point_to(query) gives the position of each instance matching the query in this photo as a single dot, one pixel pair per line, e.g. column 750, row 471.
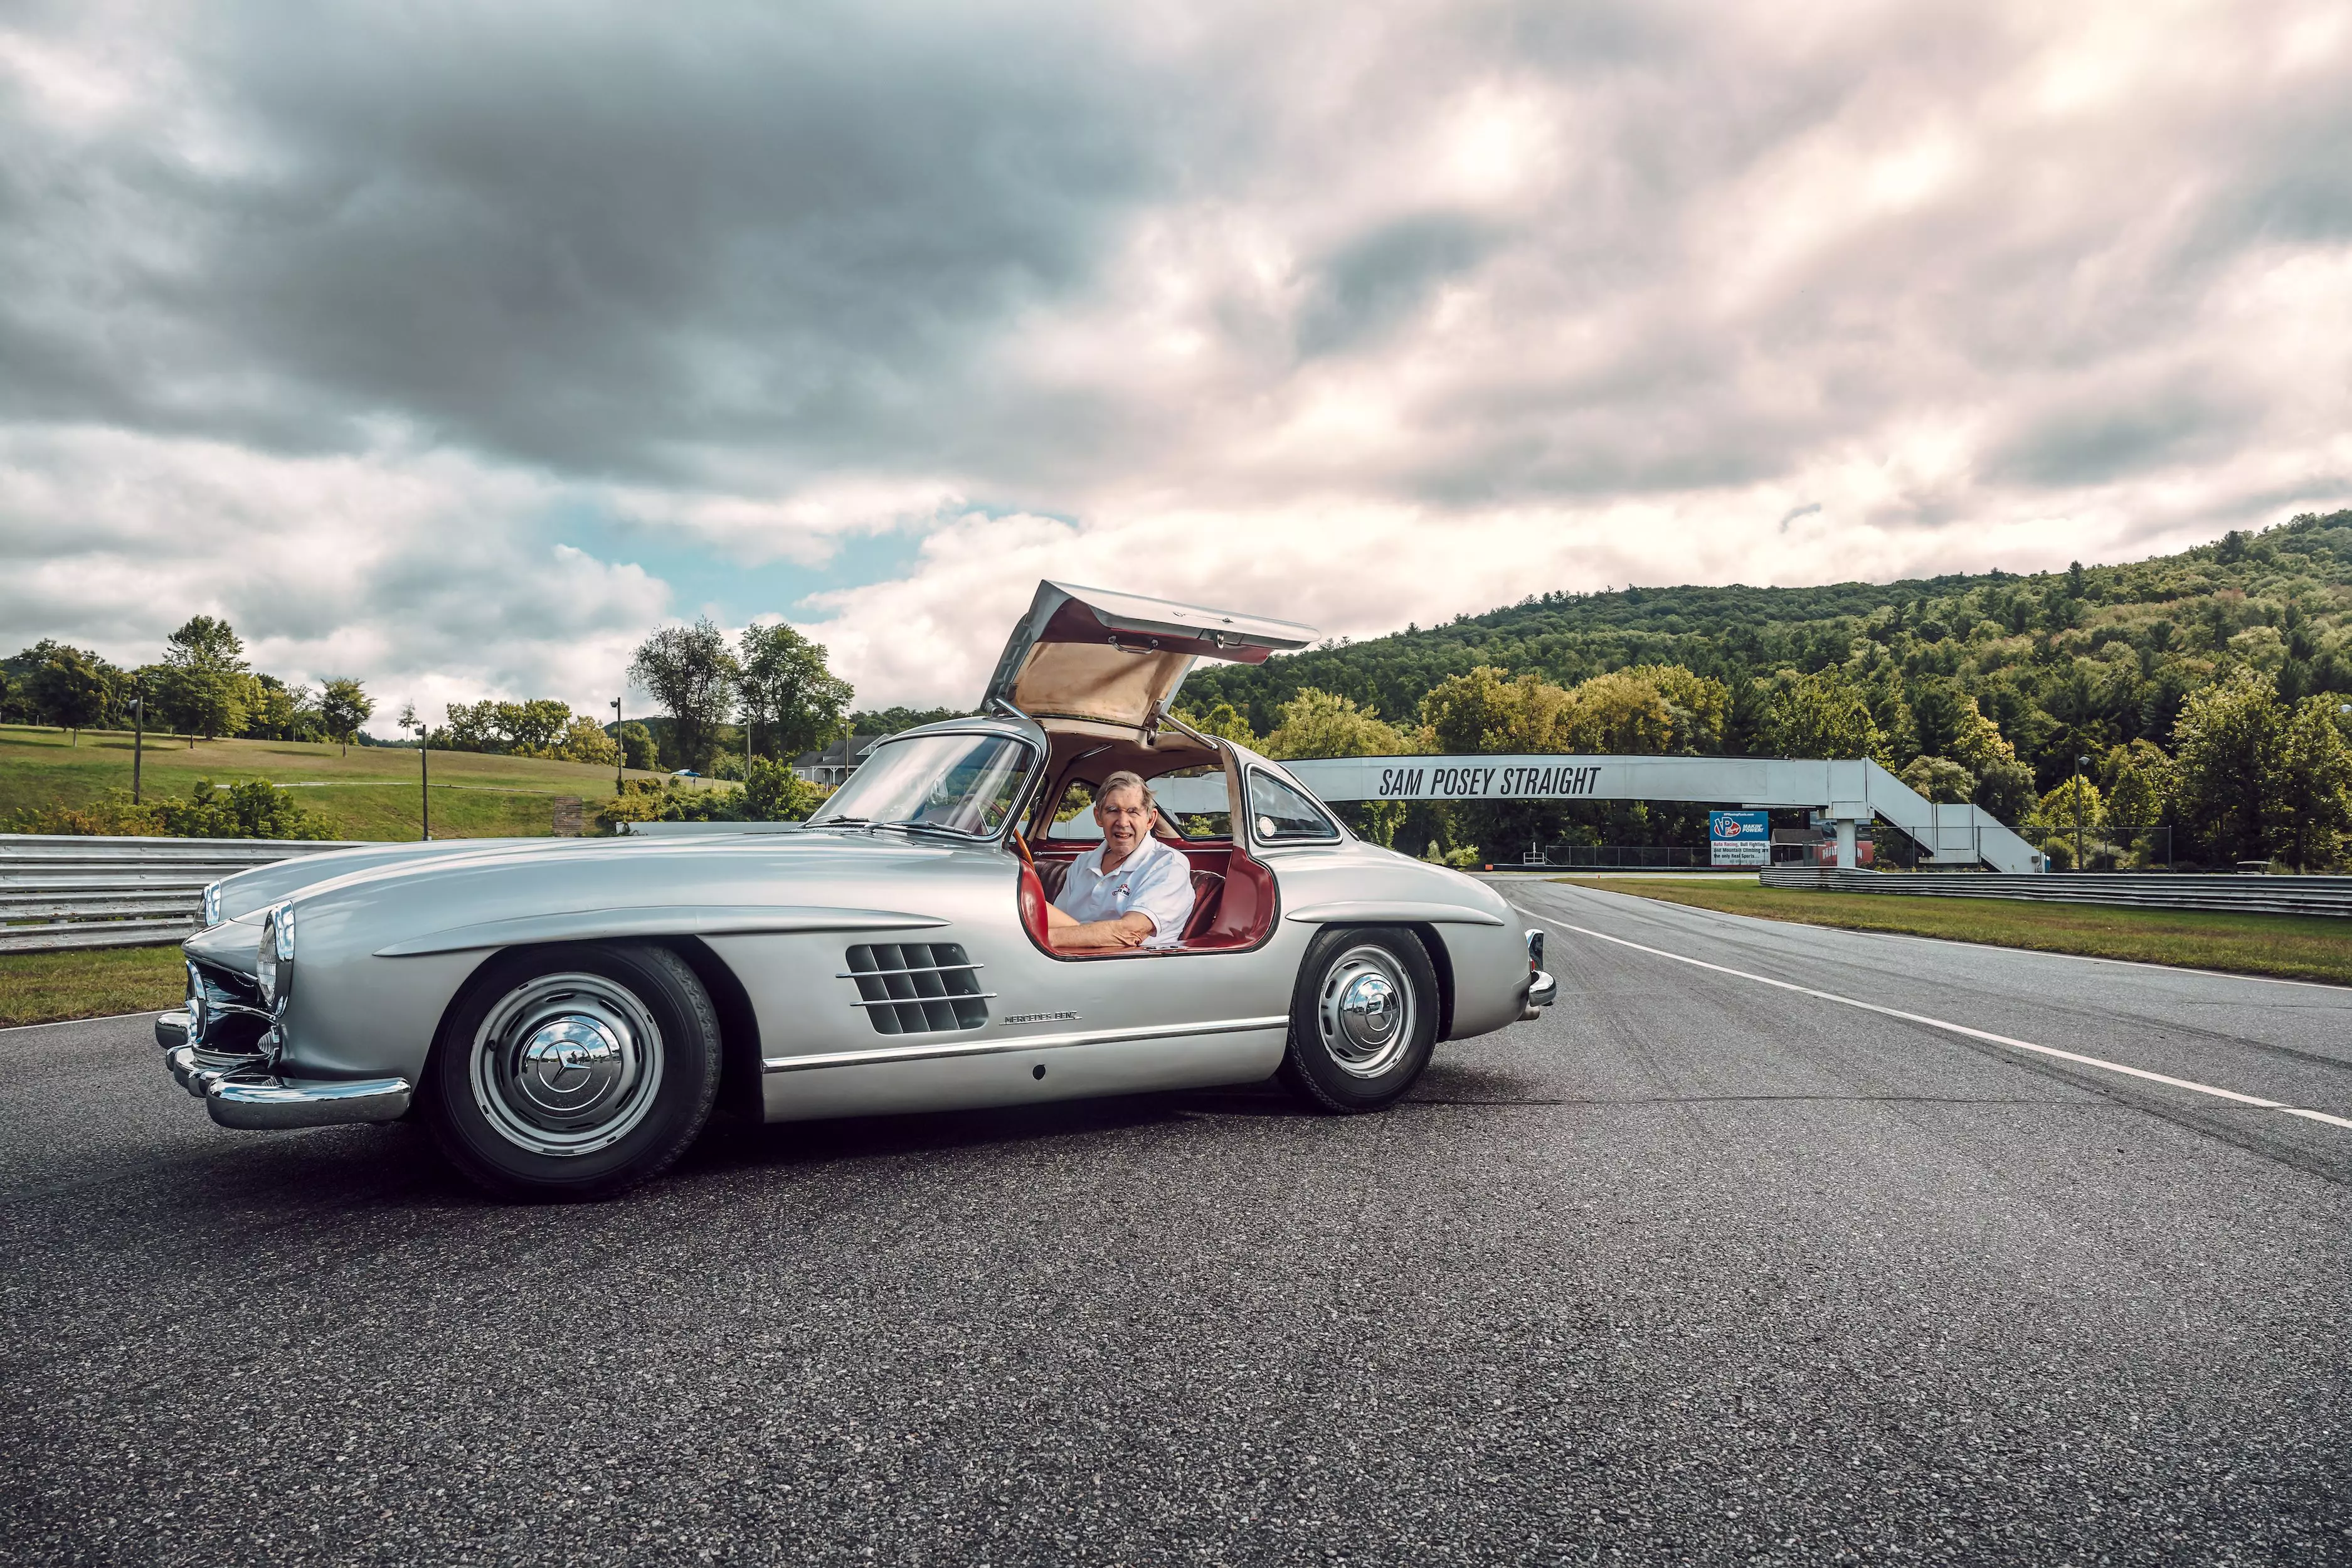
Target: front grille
column 917, row 988
column 225, row 1011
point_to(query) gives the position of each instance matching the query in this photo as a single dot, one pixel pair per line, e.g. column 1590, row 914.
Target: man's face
column 1125, row 820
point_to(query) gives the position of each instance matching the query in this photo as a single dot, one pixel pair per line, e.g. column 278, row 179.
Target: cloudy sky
column 459, row 346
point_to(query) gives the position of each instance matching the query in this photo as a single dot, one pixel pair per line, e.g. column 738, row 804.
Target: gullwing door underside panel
column 1089, row 653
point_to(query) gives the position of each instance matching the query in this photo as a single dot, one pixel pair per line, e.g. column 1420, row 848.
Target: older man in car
column 1130, row 890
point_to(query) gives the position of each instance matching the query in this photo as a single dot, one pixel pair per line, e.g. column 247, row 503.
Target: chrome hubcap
column 1365, row 1009
column 566, row 1064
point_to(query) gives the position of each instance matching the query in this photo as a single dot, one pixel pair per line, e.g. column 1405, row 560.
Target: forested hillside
column 2215, row 650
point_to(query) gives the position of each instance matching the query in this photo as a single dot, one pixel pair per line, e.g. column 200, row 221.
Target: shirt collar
column 1152, row 844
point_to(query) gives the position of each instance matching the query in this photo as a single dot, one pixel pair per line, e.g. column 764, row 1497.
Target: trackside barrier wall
column 61, row 890
column 2139, row 889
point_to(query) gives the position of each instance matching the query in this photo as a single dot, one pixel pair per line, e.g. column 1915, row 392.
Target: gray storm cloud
column 316, row 316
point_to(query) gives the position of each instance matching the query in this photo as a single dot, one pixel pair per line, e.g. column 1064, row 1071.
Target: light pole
column 2080, row 763
column 620, row 747
column 408, row 719
column 138, row 741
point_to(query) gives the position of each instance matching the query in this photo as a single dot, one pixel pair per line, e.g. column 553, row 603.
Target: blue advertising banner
column 1739, row 837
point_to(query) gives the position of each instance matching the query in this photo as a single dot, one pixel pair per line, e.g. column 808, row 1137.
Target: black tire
column 1339, row 1060
column 574, row 1071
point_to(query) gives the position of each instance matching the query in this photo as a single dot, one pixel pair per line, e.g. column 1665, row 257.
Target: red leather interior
column 1033, row 902
column 1208, row 892
column 1233, row 896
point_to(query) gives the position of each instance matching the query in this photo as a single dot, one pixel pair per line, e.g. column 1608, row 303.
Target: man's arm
column 1131, row 930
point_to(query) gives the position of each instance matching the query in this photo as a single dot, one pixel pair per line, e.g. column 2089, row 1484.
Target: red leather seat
column 1208, row 891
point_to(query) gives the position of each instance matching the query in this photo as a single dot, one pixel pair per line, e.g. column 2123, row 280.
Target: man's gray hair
column 1126, row 780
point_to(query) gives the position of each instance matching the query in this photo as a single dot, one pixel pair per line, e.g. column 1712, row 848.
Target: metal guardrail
column 2136, row 889
column 62, row 891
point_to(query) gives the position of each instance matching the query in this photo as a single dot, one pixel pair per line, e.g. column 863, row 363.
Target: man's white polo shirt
column 1156, row 880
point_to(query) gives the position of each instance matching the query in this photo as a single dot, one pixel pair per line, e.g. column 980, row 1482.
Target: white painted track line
column 2077, row 1057
column 102, row 1018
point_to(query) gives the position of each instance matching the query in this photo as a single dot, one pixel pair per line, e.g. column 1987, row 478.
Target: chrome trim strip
column 655, row 919
column 197, row 1071
column 1002, row 1045
column 257, row 1102
column 1542, row 991
column 918, row 1001
column 934, row 969
column 1381, row 911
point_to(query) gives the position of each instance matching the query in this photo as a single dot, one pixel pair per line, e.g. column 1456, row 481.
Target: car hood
column 620, row 863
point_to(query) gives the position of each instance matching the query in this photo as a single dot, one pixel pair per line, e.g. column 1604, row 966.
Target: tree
column 207, row 702
column 69, row 688
column 1821, row 715
column 890, row 721
column 1226, row 722
column 531, row 728
column 2309, row 809
column 1698, row 706
column 584, row 741
column 249, row 809
column 207, row 690
column 788, row 692
column 636, row 743
column 2223, row 748
column 773, row 793
column 1320, row 724
column 691, row 673
column 343, row 706
column 1937, row 779
column 2075, row 800
column 1485, row 712
column 2139, row 794
column 1617, row 714
column 206, row 642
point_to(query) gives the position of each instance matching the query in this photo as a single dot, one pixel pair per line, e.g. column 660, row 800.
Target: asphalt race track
column 1696, row 1270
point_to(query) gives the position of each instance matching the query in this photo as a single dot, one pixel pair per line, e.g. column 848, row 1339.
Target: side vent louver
column 917, row 988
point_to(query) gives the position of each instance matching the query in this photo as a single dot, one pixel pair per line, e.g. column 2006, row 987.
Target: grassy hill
column 2064, row 662
column 370, row 794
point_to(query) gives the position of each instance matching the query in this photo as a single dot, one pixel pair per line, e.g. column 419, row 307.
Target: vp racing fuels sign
column 1739, row 837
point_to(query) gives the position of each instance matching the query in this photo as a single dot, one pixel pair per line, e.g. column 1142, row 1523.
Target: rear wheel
column 575, row 1072
column 1363, row 1020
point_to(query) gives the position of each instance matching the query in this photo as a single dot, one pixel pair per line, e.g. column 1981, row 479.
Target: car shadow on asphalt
column 736, row 1145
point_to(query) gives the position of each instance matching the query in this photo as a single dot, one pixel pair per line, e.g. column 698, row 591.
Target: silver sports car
column 567, row 1013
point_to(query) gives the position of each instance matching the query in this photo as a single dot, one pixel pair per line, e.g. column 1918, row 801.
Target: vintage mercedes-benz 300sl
column 566, row 1014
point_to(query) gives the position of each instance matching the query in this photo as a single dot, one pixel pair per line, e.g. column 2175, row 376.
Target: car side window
column 1197, row 800
column 1074, row 818
column 1281, row 813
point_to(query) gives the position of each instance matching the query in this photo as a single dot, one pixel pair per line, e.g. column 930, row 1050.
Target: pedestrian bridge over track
column 1848, row 792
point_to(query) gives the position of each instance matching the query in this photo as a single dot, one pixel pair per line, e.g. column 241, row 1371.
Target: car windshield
column 964, row 784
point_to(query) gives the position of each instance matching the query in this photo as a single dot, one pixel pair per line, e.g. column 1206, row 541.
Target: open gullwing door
column 1090, row 653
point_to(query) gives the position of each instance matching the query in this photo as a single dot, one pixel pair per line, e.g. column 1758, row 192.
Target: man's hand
column 1132, row 929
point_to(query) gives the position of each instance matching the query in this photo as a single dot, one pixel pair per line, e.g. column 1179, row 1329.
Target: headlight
column 273, row 965
column 212, row 905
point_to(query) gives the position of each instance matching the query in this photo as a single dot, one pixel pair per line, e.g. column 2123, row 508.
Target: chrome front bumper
column 1542, row 992
column 241, row 1091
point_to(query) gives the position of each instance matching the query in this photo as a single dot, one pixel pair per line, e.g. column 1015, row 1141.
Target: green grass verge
column 370, row 792
column 41, row 987
column 2295, row 947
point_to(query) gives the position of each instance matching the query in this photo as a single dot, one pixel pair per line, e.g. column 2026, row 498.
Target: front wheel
column 575, row 1072
column 1363, row 1020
